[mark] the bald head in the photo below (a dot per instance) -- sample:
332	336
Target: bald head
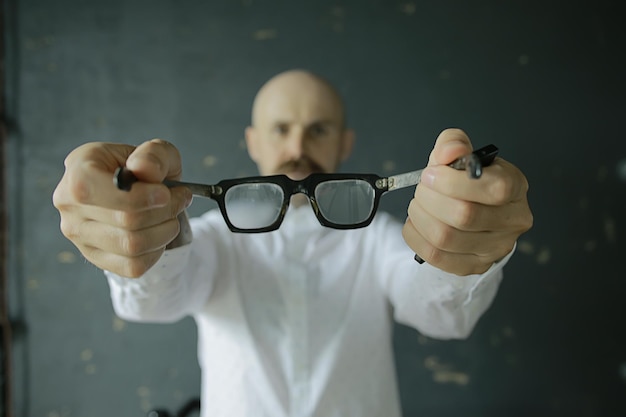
301	88
298	126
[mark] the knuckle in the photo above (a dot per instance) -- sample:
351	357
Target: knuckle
128	220
79	190
464	215
501	190
442	236
68	229
138	266
527	221
433	255
133	243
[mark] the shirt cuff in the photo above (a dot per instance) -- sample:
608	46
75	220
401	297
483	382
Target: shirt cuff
170	265
471	284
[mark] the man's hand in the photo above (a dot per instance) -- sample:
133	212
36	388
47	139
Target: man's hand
463	225
122	232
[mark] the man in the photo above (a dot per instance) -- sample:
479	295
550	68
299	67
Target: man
296	322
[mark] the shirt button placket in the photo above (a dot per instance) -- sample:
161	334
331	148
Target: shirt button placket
300	341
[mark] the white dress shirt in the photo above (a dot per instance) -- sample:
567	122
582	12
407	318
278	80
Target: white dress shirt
298	322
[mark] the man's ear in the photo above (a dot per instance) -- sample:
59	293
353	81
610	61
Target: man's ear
251	141
347	144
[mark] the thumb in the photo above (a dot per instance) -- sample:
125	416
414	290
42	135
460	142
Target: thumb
154	161
450	145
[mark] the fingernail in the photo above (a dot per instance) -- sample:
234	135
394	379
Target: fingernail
428	177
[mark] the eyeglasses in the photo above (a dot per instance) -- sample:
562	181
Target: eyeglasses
339	201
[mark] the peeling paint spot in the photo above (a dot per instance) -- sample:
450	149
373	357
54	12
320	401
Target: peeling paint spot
209	161
590	245
178	395
508	332
523	60
32	284
609	229
389	166
445	74
118	324
495	340
143	391
459	378
422	340
100	122
337	11
525	247
338	27
432	363
34	44
145	405
543	256
90	369
86	355
265	34
408	8
66	257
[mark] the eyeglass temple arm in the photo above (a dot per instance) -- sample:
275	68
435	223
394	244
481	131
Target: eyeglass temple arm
124	180
473	163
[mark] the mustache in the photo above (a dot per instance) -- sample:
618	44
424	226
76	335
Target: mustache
301	164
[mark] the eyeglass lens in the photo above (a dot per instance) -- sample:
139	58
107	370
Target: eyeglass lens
345	201
253	206
258	205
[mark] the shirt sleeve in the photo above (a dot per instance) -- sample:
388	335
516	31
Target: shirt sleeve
436	303
178	285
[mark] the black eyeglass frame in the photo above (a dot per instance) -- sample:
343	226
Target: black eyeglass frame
306	186
473	163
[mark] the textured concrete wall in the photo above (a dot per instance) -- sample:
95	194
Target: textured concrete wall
542	80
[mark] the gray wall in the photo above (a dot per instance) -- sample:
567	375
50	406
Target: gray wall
542	80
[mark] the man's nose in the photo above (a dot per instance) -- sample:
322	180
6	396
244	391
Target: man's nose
295	143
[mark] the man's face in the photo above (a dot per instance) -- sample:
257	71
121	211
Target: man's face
298	129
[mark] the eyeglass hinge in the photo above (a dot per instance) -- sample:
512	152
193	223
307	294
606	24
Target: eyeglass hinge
384	183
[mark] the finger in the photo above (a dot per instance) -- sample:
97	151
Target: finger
154	161
125	266
501	183
455	263
88	180
450	239
124	242
450	145
470	216
130	218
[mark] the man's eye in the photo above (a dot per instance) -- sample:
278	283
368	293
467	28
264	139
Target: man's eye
281	130
318	130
